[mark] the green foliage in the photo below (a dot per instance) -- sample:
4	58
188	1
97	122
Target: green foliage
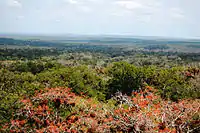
34	67
82	79
170	82
125	78
89	70
26	53
23	78
12	88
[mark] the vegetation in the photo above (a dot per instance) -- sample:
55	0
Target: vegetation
60	110
98	88
26	53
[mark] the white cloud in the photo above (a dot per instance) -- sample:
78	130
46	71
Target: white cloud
93	0
130	4
14	3
121	13
20	17
80	5
139	7
176	10
58	20
37	10
176	13
71	1
85	9
144	19
178	16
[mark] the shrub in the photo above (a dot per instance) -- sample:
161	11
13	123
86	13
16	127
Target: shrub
124	78
82	79
60	110
172	83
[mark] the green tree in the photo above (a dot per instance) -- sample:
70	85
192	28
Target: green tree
124	77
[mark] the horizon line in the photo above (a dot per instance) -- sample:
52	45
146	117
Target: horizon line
90	35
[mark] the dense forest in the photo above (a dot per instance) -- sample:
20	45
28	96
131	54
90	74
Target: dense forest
99	85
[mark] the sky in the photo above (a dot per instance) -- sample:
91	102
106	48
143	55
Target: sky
169	18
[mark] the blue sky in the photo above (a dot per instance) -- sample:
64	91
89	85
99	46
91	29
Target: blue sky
171	18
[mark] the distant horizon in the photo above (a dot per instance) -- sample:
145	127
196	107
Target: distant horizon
92	35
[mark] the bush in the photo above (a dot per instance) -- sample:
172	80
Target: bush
34	67
124	78
127	78
60	110
82	79
172	83
12	87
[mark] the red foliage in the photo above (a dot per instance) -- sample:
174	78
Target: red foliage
146	112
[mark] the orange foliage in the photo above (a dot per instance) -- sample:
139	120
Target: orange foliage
147	112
